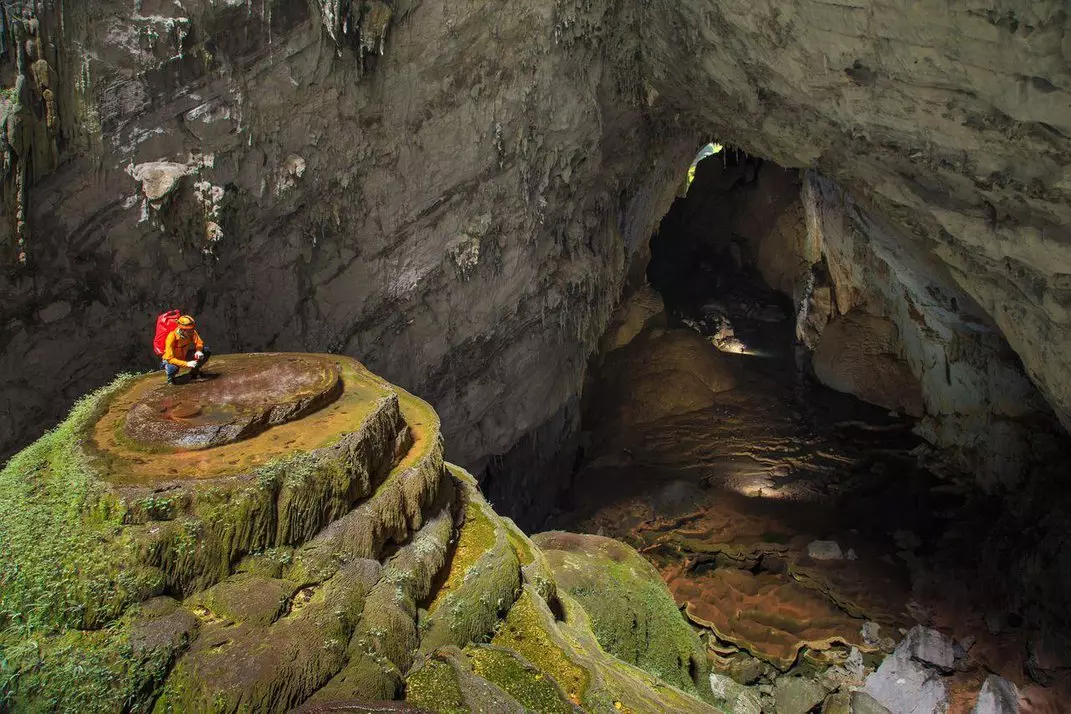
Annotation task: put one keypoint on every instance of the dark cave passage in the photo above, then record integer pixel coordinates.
(759, 492)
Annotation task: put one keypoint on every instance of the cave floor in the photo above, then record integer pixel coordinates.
(784, 516)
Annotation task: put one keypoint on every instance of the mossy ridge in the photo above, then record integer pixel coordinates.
(451, 687)
(481, 591)
(245, 667)
(522, 681)
(617, 685)
(535, 567)
(392, 513)
(476, 536)
(568, 651)
(529, 630)
(382, 648)
(436, 686)
(633, 614)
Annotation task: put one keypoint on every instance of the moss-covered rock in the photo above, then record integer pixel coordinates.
(633, 614)
(330, 558)
(481, 580)
(446, 683)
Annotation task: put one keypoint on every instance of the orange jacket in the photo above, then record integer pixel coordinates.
(176, 348)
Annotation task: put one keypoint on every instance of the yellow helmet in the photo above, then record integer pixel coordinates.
(186, 322)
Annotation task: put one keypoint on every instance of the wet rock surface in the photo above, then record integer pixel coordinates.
(238, 398)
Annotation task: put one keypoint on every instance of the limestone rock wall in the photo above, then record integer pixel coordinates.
(451, 191)
(978, 401)
(952, 121)
(446, 190)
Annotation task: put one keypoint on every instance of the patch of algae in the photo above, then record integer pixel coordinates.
(436, 687)
(633, 615)
(526, 684)
(523, 632)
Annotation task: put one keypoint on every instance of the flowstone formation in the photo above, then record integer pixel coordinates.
(286, 534)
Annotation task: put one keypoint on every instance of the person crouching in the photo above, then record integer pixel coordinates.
(177, 350)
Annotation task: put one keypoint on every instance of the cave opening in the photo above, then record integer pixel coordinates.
(769, 474)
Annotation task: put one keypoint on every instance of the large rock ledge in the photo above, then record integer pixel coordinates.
(331, 557)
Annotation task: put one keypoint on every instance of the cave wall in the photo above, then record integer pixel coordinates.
(451, 192)
(443, 190)
(951, 120)
(979, 405)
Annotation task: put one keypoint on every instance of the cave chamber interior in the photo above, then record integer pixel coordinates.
(769, 443)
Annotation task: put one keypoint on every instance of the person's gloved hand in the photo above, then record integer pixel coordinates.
(199, 355)
(192, 363)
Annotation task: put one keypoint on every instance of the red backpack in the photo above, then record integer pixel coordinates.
(166, 323)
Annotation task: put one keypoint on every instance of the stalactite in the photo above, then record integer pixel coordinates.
(29, 119)
(363, 22)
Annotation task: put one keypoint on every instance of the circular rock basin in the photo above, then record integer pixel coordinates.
(240, 399)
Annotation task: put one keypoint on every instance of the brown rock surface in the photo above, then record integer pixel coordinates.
(240, 397)
(764, 614)
(858, 354)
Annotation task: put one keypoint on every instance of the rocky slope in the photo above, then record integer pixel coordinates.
(452, 192)
(332, 559)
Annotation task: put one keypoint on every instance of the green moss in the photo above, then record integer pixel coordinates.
(435, 686)
(535, 568)
(523, 632)
(267, 563)
(482, 589)
(64, 563)
(93, 671)
(247, 598)
(632, 613)
(529, 686)
(636, 620)
(477, 536)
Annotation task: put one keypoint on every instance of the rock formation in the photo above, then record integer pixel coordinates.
(441, 191)
(332, 557)
(309, 174)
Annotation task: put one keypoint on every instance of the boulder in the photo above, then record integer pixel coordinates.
(733, 696)
(824, 550)
(858, 354)
(905, 685)
(863, 703)
(998, 696)
(797, 695)
(932, 647)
